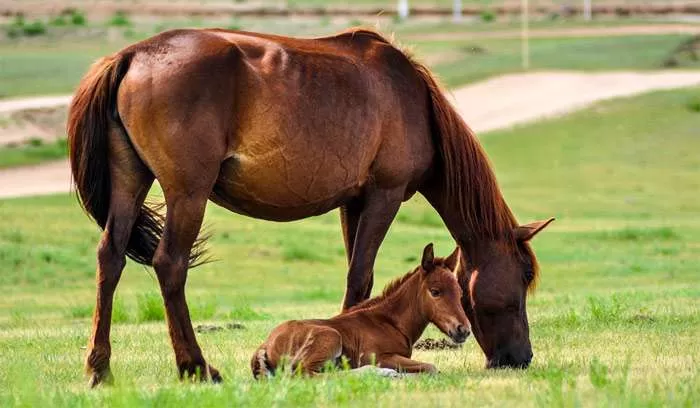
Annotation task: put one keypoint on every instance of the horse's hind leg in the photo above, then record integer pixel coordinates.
(185, 212)
(130, 181)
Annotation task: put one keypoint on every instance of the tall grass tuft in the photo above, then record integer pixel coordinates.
(150, 307)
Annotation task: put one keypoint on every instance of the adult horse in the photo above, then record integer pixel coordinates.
(282, 129)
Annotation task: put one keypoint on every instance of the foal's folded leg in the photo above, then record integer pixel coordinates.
(404, 364)
(322, 344)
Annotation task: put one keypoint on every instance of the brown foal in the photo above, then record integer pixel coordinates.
(282, 129)
(380, 330)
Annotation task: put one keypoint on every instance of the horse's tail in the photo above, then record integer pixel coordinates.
(260, 365)
(92, 113)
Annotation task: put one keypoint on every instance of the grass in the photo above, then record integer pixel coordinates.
(457, 63)
(34, 152)
(55, 62)
(614, 321)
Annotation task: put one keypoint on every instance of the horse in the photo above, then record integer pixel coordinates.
(282, 129)
(381, 330)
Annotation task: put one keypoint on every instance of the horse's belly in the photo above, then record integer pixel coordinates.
(281, 188)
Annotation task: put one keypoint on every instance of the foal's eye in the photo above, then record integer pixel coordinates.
(435, 292)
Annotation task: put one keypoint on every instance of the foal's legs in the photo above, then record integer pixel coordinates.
(380, 208)
(185, 213)
(130, 181)
(325, 344)
(404, 364)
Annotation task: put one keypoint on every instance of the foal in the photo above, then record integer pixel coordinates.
(380, 330)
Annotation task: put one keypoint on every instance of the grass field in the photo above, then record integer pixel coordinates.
(615, 320)
(32, 153)
(55, 62)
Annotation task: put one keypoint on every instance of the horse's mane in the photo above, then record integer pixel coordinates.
(469, 179)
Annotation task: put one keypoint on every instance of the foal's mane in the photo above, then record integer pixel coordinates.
(468, 177)
(391, 288)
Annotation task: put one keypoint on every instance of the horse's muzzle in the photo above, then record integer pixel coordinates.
(510, 359)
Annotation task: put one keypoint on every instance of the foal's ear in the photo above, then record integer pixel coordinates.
(452, 261)
(428, 261)
(528, 231)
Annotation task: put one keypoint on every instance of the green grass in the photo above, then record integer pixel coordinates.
(54, 63)
(32, 153)
(614, 322)
(461, 65)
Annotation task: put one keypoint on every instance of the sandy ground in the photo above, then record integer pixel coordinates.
(496, 103)
(509, 100)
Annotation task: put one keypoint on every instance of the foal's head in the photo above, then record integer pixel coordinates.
(440, 294)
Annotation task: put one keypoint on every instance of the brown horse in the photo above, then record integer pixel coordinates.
(380, 330)
(282, 129)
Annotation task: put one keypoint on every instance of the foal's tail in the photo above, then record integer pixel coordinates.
(259, 365)
(93, 112)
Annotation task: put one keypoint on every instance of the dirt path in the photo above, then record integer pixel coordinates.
(497, 103)
(16, 104)
(642, 29)
(509, 100)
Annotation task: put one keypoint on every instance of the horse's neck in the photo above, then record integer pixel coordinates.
(448, 208)
(402, 311)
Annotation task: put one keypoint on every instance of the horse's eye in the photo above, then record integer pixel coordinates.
(435, 292)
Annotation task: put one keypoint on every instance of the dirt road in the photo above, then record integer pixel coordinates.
(496, 103)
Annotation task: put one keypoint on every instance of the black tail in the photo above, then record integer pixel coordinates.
(92, 112)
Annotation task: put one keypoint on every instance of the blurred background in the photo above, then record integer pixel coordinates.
(588, 109)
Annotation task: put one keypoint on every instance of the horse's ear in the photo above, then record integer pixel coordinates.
(528, 231)
(452, 261)
(428, 261)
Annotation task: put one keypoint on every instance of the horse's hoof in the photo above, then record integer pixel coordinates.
(214, 375)
(100, 377)
(198, 372)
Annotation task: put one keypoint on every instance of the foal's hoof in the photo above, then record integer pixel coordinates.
(100, 377)
(200, 372)
(380, 371)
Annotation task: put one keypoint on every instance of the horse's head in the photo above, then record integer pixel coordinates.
(440, 294)
(496, 278)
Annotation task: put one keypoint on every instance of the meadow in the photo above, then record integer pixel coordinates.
(54, 62)
(614, 322)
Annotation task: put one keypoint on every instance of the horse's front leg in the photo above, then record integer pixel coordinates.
(405, 365)
(379, 209)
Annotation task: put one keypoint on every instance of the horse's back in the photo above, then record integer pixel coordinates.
(294, 124)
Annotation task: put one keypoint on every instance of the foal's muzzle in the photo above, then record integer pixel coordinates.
(459, 334)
